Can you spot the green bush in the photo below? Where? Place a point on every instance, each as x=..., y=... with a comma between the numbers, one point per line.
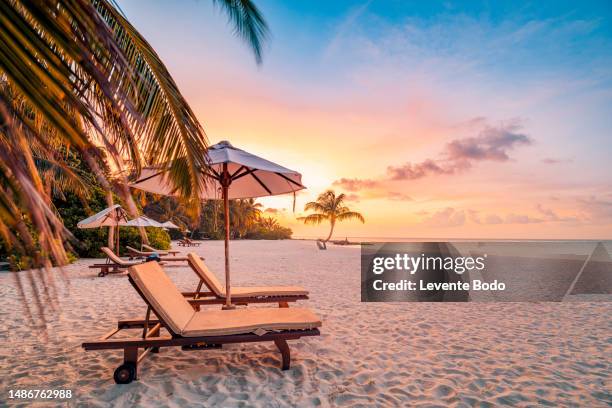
x=263, y=233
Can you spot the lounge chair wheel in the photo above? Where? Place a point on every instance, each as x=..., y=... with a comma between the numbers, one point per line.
x=125, y=373
x=101, y=274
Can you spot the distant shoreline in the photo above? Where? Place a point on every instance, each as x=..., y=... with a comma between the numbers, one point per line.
x=398, y=239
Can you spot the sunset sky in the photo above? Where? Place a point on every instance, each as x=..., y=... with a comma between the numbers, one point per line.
x=449, y=119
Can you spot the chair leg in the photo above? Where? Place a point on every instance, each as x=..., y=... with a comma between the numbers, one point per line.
x=283, y=304
x=128, y=371
x=130, y=355
x=283, y=347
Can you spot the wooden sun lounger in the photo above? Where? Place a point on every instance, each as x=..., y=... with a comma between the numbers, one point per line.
x=240, y=295
x=114, y=264
x=196, y=329
x=182, y=242
x=136, y=254
x=108, y=268
x=161, y=252
x=192, y=243
x=187, y=242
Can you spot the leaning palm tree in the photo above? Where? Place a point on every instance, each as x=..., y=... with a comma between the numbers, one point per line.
x=329, y=207
x=78, y=73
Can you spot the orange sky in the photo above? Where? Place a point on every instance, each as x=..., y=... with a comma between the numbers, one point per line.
x=435, y=142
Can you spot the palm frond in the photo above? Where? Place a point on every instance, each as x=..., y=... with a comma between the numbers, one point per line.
x=350, y=215
x=315, y=206
x=248, y=23
x=313, y=219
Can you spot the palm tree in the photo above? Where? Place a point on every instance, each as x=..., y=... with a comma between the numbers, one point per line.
x=330, y=207
x=77, y=73
x=269, y=223
x=169, y=209
x=244, y=214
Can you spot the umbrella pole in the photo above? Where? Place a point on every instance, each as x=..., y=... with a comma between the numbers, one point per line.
x=117, y=240
x=225, y=182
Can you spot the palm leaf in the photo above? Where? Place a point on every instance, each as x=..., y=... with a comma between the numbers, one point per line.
x=248, y=23
x=313, y=219
x=350, y=215
x=79, y=72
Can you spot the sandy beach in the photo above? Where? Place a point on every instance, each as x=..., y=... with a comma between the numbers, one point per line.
x=396, y=354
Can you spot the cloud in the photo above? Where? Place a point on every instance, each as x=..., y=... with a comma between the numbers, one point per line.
x=368, y=189
x=378, y=194
x=272, y=210
x=493, y=219
x=355, y=184
x=598, y=209
x=448, y=217
x=345, y=28
x=491, y=144
x=544, y=215
x=521, y=219
x=411, y=171
x=396, y=196
x=353, y=197
x=550, y=160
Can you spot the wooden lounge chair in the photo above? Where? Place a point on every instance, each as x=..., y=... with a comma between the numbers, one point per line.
x=196, y=329
x=183, y=242
x=114, y=264
x=191, y=242
x=161, y=252
x=240, y=295
x=136, y=254
x=188, y=242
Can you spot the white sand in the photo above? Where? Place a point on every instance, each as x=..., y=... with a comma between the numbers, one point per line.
x=403, y=354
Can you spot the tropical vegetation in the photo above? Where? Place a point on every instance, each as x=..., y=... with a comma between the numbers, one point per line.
x=329, y=207
x=77, y=80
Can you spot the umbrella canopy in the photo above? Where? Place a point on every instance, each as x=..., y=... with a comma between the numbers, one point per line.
x=251, y=176
x=112, y=216
x=143, y=221
x=170, y=225
x=233, y=173
x=109, y=217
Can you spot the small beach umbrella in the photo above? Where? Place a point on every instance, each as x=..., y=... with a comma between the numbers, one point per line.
x=170, y=225
x=234, y=173
x=113, y=217
x=143, y=221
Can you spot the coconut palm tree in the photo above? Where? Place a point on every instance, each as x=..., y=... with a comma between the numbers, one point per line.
x=329, y=207
x=78, y=73
x=244, y=213
x=166, y=208
x=269, y=223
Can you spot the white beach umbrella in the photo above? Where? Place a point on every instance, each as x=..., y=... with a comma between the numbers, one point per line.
x=113, y=216
x=233, y=173
x=143, y=221
x=170, y=225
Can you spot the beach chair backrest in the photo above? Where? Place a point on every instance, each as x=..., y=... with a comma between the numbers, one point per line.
x=150, y=248
x=112, y=256
x=134, y=250
x=162, y=294
x=205, y=274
